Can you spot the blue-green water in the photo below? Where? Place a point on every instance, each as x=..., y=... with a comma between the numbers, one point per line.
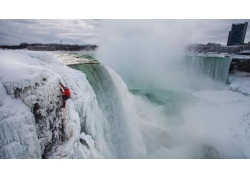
x=170, y=103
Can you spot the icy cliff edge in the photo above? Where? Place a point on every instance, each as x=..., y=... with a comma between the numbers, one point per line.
x=31, y=113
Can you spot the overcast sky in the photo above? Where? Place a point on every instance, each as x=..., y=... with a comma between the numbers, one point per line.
x=16, y=31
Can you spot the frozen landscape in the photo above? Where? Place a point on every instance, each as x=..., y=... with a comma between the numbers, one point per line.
x=108, y=117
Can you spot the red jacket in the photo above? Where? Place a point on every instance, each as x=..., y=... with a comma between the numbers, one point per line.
x=66, y=91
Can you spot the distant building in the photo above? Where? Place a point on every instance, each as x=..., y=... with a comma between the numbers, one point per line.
x=237, y=34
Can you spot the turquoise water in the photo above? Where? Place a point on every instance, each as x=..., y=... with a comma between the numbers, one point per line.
x=170, y=103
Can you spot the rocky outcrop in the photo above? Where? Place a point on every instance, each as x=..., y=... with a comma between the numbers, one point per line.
x=49, y=124
x=44, y=100
x=240, y=64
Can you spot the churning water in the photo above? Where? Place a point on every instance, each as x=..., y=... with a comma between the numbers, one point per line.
x=214, y=67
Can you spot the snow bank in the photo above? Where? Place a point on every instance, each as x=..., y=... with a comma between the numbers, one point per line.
x=240, y=83
x=227, y=119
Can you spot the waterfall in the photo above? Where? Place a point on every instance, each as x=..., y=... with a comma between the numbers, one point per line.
x=214, y=67
x=113, y=105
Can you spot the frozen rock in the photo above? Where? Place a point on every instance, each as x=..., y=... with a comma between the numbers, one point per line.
x=31, y=116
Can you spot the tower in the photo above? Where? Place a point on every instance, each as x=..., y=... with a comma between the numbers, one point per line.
x=237, y=34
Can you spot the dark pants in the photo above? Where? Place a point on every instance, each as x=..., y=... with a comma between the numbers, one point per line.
x=64, y=97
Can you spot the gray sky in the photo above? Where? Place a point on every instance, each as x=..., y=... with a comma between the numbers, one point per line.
x=16, y=31
x=70, y=31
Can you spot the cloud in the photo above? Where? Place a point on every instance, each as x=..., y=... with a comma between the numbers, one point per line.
x=23, y=21
x=16, y=31
x=214, y=30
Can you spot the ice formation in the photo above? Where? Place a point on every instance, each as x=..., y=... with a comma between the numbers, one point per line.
x=18, y=135
x=31, y=116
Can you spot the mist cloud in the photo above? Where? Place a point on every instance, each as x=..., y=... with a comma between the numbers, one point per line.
x=152, y=50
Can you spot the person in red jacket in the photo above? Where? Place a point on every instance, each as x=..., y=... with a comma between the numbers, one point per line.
x=65, y=94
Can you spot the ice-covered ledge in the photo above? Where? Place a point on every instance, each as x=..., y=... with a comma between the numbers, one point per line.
x=31, y=113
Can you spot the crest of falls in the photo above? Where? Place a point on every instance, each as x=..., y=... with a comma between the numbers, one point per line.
x=215, y=67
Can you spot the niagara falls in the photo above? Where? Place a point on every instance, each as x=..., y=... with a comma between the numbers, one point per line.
x=142, y=93
x=107, y=97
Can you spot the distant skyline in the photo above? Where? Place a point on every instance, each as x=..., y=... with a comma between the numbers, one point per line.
x=87, y=31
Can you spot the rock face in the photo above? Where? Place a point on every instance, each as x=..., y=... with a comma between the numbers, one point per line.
x=240, y=65
x=49, y=121
x=44, y=100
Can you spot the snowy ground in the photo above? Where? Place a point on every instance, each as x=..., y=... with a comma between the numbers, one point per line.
x=229, y=115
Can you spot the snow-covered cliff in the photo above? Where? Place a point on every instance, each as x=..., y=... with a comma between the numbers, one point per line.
x=31, y=113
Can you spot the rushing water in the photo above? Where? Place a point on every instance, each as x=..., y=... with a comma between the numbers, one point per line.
x=209, y=66
x=110, y=104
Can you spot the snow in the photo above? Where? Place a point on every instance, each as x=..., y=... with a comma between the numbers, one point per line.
x=245, y=52
x=242, y=57
x=17, y=129
x=240, y=83
x=28, y=78
x=228, y=117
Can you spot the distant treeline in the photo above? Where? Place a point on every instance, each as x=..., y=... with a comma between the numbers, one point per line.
x=51, y=47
